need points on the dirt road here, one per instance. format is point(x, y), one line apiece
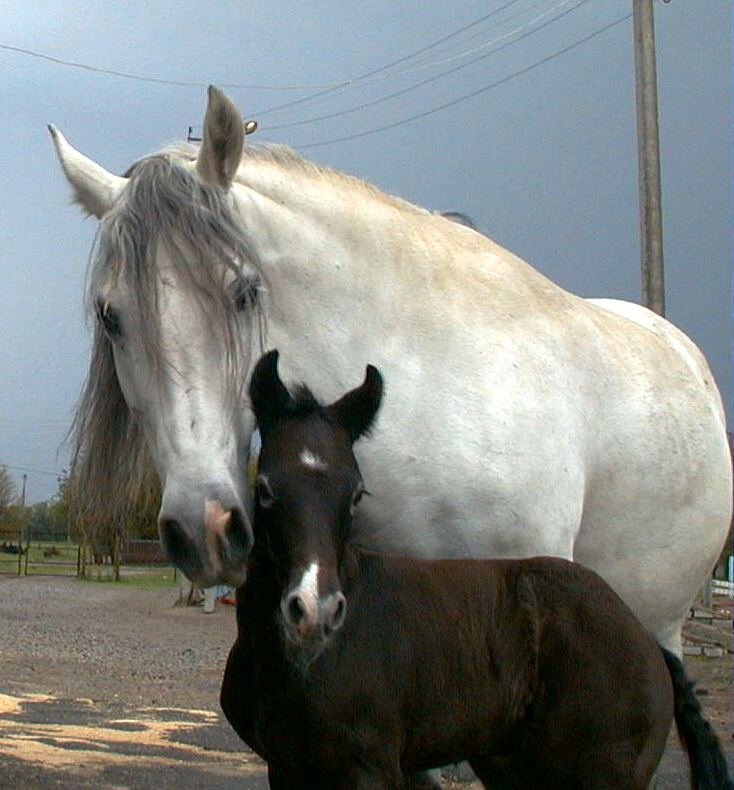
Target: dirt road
point(108, 687)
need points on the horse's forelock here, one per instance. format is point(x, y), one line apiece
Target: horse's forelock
point(165, 202)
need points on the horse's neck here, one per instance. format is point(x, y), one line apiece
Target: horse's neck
point(298, 220)
point(350, 273)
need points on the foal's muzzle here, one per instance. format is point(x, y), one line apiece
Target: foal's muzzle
point(308, 620)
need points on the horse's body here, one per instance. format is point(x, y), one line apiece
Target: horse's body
point(547, 424)
point(354, 670)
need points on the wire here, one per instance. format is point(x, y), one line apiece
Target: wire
point(428, 63)
point(467, 96)
point(328, 86)
point(473, 37)
point(33, 471)
point(443, 74)
point(373, 72)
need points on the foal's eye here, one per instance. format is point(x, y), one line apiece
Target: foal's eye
point(264, 492)
point(356, 498)
point(109, 318)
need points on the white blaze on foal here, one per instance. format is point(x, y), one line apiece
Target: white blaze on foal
point(312, 461)
point(304, 598)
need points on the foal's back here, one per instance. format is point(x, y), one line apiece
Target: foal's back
point(537, 660)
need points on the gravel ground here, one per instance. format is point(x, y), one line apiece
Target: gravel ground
point(109, 686)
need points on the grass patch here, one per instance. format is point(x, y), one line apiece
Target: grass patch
point(48, 558)
point(144, 578)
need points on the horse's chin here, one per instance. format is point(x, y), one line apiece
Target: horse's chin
point(230, 576)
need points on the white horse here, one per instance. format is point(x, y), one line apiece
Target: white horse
point(518, 419)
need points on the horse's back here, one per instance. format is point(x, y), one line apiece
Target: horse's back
point(689, 353)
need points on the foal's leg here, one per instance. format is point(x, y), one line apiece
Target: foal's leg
point(423, 780)
point(368, 777)
point(492, 775)
point(283, 779)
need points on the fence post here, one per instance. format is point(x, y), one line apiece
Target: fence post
point(707, 593)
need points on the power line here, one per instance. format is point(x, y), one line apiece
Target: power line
point(467, 96)
point(32, 470)
point(428, 63)
point(373, 72)
point(328, 86)
point(443, 74)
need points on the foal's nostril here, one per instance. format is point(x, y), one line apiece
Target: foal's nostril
point(340, 612)
point(296, 610)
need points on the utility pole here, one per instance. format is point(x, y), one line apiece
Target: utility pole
point(651, 221)
point(22, 493)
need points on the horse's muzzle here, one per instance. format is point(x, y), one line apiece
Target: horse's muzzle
point(211, 548)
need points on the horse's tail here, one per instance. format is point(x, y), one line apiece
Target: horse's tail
point(708, 764)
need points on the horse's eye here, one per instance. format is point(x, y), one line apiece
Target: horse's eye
point(109, 318)
point(264, 492)
point(246, 293)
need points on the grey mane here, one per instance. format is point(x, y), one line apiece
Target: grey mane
point(162, 203)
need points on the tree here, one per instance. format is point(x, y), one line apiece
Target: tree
point(7, 488)
point(8, 527)
point(106, 538)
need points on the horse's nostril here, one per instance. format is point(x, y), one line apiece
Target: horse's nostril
point(177, 545)
point(240, 531)
point(172, 535)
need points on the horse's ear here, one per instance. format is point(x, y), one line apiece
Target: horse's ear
point(356, 410)
point(268, 395)
point(95, 189)
point(222, 141)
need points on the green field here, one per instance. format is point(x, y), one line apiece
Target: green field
point(49, 558)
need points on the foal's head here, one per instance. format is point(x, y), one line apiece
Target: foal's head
point(307, 487)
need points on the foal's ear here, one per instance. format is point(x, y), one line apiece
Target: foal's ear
point(221, 145)
point(356, 410)
point(268, 395)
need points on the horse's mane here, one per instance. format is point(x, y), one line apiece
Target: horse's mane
point(284, 157)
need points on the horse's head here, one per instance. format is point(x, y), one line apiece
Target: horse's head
point(307, 487)
point(175, 294)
